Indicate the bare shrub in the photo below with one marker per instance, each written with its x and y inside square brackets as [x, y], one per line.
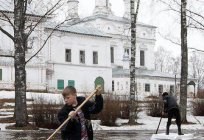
[154, 106]
[111, 110]
[198, 107]
[1, 105]
[114, 108]
[200, 94]
[44, 113]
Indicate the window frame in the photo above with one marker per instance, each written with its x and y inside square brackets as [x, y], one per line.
[67, 58]
[83, 56]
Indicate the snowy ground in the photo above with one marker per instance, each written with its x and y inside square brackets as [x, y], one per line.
[149, 124]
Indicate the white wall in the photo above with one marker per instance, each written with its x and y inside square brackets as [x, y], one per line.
[84, 75]
[121, 85]
[120, 33]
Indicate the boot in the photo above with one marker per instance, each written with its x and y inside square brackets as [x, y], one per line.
[179, 131]
[167, 130]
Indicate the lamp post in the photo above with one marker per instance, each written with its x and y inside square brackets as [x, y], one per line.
[175, 73]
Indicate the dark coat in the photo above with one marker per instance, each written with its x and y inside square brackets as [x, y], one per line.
[72, 130]
[169, 103]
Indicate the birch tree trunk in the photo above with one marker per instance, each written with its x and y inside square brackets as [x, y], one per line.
[132, 104]
[21, 116]
[184, 63]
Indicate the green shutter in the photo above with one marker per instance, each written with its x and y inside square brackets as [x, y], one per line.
[99, 81]
[60, 84]
[71, 83]
[0, 74]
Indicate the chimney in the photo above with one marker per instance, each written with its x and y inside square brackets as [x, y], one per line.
[102, 7]
[73, 9]
[126, 9]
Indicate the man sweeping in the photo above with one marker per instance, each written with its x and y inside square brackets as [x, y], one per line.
[171, 107]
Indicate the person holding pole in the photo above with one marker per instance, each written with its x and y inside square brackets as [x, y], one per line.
[79, 127]
[172, 109]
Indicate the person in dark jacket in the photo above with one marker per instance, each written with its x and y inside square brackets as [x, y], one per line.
[79, 127]
[171, 107]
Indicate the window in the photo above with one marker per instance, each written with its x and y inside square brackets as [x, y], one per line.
[60, 84]
[95, 57]
[127, 51]
[68, 55]
[171, 88]
[160, 88]
[147, 87]
[112, 54]
[71, 83]
[142, 58]
[82, 57]
[127, 85]
[0, 74]
[118, 85]
[113, 84]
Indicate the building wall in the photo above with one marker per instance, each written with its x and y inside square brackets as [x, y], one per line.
[36, 79]
[122, 85]
[83, 77]
[120, 33]
[85, 74]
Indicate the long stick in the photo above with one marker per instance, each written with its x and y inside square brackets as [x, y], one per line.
[98, 88]
[158, 125]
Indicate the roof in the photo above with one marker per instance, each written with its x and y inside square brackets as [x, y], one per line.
[119, 72]
[141, 72]
[116, 18]
[77, 29]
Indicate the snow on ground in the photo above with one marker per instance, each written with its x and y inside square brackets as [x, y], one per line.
[151, 123]
[31, 95]
[148, 123]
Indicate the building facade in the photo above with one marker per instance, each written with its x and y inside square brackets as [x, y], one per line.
[90, 51]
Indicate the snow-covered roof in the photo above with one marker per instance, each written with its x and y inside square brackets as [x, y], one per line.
[116, 18]
[77, 29]
[141, 72]
[119, 72]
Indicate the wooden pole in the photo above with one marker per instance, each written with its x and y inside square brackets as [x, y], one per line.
[158, 125]
[98, 88]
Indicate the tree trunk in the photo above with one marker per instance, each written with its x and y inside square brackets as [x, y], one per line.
[184, 62]
[132, 104]
[21, 116]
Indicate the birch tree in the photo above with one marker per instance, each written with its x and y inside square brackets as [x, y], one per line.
[22, 29]
[184, 62]
[133, 14]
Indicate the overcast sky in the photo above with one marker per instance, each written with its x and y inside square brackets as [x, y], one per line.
[153, 13]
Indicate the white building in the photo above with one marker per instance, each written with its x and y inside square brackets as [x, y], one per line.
[95, 51]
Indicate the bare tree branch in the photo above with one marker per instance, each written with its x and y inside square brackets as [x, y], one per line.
[8, 19]
[196, 49]
[7, 56]
[169, 39]
[188, 15]
[54, 29]
[42, 17]
[6, 33]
